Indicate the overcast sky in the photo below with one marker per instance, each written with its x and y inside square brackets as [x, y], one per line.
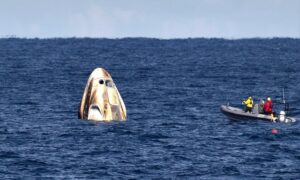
[150, 18]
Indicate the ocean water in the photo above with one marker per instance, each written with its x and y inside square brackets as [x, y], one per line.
[172, 89]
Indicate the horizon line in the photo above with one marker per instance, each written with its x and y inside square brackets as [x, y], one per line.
[148, 37]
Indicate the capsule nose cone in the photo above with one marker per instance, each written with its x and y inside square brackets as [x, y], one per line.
[100, 72]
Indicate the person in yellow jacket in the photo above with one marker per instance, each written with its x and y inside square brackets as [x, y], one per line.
[249, 104]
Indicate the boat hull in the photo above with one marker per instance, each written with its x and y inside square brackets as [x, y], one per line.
[239, 114]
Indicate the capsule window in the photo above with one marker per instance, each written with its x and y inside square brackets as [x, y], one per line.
[109, 83]
[101, 81]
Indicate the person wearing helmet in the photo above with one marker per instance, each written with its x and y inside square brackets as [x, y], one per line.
[268, 107]
[249, 104]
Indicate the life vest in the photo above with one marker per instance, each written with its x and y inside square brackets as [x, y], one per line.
[249, 102]
[268, 107]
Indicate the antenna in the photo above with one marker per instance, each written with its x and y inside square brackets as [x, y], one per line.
[286, 105]
[283, 98]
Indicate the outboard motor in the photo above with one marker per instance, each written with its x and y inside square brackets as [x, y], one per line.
[282, 116]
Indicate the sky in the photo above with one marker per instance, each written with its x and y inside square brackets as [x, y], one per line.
[150, 18]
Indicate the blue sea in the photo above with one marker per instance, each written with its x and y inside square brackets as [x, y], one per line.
[172, 89]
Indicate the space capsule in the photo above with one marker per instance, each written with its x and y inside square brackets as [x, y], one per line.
[101, 100]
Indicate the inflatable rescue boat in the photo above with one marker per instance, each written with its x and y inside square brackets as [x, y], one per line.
[235, 113]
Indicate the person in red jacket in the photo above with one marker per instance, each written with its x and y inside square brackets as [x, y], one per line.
[268, 106]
